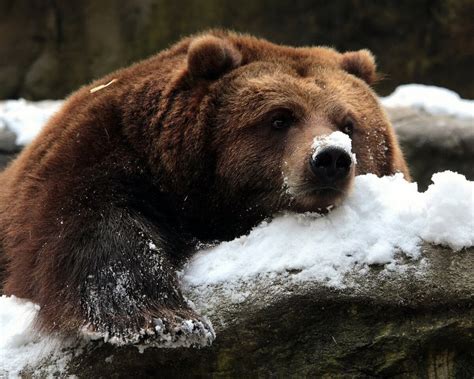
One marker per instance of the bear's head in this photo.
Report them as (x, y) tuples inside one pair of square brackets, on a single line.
[(237, 138)]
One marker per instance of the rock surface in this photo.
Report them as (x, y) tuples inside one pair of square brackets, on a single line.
[(7, 140), (415, 322), (8, 146), (434, 143)]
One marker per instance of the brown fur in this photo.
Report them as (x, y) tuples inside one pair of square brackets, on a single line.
[(178, 148)]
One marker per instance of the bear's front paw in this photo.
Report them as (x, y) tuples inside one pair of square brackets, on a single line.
[(165, 332)]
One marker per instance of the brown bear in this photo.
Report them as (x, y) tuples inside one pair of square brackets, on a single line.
[(198, 143)]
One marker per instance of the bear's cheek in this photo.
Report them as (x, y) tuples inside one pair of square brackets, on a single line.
[(372, 151), (295, 167), (250, 164)]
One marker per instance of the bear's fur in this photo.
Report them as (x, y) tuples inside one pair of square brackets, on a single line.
[(101, 209)]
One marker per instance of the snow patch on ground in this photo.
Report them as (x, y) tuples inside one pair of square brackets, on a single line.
[(26, 118), (20, 346), (380, 218), (434, 100)]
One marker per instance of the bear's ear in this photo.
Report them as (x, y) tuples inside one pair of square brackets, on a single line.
[(361, 64), (210, 56)]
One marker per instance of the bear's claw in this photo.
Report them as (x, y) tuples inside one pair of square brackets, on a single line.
[(184, 332), (160, 332)]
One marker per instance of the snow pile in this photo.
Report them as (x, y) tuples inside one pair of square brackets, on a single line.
[(435, 100), (381, 217), (26, 118), (335, 139), (19, 345)]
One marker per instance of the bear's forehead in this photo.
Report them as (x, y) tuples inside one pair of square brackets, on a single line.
[(266, 80), (301, 58), (319, 65), (261, 87), (304, 63)]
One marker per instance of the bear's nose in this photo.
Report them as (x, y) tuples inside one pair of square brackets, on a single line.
[(331, 164)]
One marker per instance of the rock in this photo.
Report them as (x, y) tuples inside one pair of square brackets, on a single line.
[(8, 146), (417, 321), (433, 143), (7, 139), (5, 159)]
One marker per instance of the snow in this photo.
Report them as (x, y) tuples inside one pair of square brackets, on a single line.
[(381, 218), (335, 139), (20, 346), (448, 223), (434, 100), (26, 118)]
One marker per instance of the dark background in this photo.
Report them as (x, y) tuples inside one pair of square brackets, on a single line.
[(48, 48)]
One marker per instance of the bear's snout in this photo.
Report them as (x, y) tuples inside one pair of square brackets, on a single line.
[(331, 165)]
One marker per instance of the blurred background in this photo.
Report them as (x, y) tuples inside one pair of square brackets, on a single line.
[(48, 48)]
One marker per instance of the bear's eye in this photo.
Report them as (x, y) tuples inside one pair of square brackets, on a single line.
[(282, 120), (348, 127)]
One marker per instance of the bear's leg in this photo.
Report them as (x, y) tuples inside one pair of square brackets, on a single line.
[(124, 272)]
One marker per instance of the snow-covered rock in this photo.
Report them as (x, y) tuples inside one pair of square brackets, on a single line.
[(434, 143), (381, 218), (432, 99), (417, 319)]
